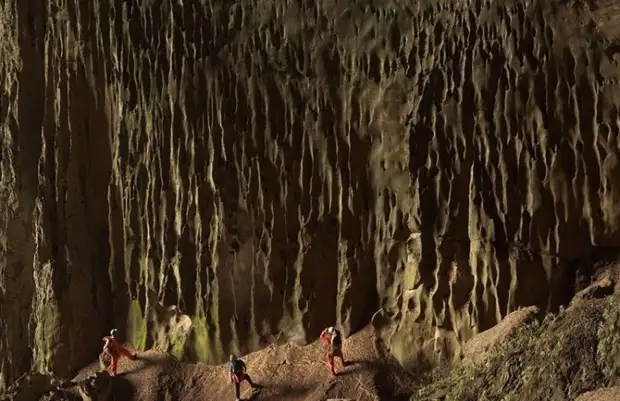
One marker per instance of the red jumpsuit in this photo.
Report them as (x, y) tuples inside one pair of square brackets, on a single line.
[(332, 351), (115, 350)]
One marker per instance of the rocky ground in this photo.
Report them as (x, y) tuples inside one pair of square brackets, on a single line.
[(286, 372)]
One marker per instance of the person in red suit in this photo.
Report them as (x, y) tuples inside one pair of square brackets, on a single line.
[(114, 351), (333, 346)]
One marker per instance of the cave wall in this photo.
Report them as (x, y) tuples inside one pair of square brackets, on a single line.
[(273, 167)]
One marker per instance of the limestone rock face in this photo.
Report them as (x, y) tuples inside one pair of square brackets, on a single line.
[(269, 168)]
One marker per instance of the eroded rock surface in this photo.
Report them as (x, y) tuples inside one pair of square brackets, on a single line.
[(271, 167)]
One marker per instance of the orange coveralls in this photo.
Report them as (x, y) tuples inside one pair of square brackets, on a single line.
[(115, 350)]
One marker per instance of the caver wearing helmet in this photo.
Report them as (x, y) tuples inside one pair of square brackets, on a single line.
[(333, 344), (236, 369), (114, 351)]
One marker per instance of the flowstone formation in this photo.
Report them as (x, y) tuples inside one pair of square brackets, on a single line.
[(218, 176)]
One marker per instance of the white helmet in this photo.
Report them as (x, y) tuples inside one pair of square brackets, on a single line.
[(330, 330)]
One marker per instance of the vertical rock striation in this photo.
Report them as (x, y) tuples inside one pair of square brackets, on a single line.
[(272, 167)]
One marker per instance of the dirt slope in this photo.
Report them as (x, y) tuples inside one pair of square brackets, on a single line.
[(286, 372)]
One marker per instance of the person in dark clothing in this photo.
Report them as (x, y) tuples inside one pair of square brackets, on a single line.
[(236, 369)]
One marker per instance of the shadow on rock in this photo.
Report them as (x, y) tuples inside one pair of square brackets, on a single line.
[(96, 387), (29, 387), (102, 387), (358, 366), (387, 389), (277, 393), (121, 389)]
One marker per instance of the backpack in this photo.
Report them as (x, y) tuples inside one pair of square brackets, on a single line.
[(237, 366), (336, 341)]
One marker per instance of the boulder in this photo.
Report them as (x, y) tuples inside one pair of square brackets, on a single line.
[(478, 347), (604, 394), (599, 289)]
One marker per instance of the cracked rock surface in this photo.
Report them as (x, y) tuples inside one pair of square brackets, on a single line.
[(218, 176)]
